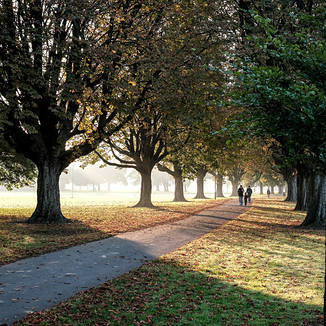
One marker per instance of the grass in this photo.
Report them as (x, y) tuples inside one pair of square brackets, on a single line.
[(258, 270), (94, 218)]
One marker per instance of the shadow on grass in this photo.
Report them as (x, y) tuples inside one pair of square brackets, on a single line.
[(163, 292), (20, 240)]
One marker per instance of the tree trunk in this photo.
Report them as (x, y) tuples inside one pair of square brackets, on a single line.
[(178, 191), (301, 204), (272, 190), (200, 184), (166, 186), (48, 209), (292, 188), (146, 189), (176, 173), (234, 187), (261, 188), (235, 179), (219, 185), (316, 213)]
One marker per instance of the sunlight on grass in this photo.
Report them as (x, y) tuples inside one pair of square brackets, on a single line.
[(264, 255)]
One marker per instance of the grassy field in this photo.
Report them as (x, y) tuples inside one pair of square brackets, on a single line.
[(24, 199), (261, 269), (94, 215)]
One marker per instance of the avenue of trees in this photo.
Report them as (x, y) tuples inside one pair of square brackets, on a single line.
[(282, 78), (230, 88)]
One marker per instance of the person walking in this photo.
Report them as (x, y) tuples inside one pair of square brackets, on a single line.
[(268, 192), (249, 193), (240, 194), (246, 198)]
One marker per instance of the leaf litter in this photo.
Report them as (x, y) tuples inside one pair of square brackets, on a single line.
[(260, 269)]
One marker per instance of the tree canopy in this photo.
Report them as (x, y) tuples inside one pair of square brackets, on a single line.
[(281, 82)]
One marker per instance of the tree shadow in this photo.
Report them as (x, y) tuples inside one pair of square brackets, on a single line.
[(165, 292)]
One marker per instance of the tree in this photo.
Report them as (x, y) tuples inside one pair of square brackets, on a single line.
[(73, 73), (139, 146), (172, 110)]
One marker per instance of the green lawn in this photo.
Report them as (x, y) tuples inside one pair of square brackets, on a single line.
[(261, 269)]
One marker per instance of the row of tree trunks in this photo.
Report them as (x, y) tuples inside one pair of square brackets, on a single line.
[(308, 189), (310, 193)]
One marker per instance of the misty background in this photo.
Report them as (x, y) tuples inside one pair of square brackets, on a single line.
[(109, 185)]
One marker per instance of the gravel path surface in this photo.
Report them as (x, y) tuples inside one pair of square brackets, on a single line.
[(40, 283)]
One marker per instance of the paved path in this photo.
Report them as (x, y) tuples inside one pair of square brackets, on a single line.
[(39, 283)]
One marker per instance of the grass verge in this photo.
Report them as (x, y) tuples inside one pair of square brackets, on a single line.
[(258, 270)]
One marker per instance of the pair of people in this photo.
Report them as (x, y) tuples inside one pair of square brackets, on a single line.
[(246, 195)]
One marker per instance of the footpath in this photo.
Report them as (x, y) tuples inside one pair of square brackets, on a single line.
[(40, 283)]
